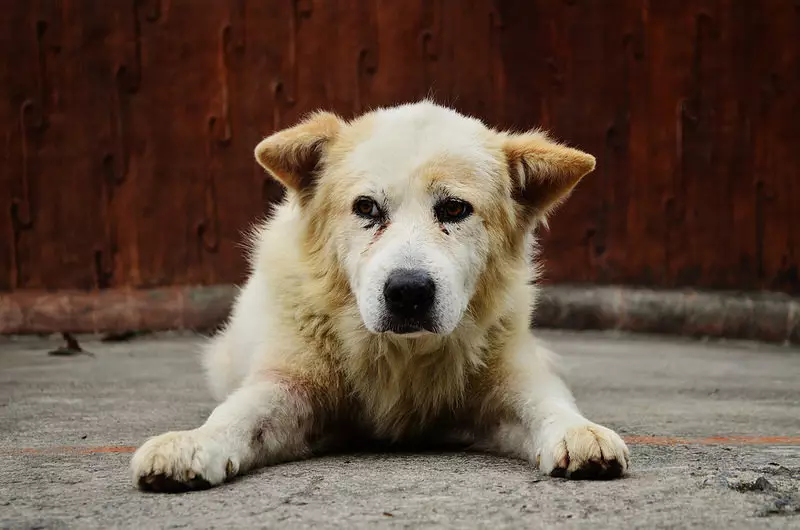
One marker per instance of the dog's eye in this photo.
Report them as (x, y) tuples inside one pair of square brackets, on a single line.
[(453, 210), (367, 208)]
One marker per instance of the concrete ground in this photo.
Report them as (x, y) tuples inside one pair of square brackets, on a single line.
[(714, 430)]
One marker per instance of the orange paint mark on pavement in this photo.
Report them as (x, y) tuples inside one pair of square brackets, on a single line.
[(73, 450), (713, 440), (632, 440)]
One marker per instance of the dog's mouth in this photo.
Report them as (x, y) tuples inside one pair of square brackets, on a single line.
[(409, 328)]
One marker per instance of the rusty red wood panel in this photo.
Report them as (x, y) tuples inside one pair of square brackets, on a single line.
[(128, 126)]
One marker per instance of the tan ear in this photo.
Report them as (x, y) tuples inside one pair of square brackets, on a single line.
[(544, 172), (292, 155)]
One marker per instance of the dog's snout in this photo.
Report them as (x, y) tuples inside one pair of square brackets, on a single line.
[(409, 293)]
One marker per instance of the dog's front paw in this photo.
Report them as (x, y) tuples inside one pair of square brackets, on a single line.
[(582, 451), (181, 461)]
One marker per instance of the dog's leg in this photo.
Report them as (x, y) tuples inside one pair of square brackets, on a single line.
[(545, 426), (263, 422)]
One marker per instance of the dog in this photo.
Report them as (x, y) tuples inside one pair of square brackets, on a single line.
[(389, 302)]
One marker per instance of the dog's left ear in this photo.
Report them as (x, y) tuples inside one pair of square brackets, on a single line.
[(292, 155), (543, 172)]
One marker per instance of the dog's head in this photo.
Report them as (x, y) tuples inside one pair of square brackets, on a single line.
[(417, 206)]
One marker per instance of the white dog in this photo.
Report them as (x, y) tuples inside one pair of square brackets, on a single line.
[(389, 301)]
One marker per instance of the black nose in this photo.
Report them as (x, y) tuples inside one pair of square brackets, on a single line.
[(409, 293)]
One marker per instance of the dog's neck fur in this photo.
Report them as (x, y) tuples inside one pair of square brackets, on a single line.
[(427, 375)]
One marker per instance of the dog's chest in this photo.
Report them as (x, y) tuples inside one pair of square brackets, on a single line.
[(403, 401)]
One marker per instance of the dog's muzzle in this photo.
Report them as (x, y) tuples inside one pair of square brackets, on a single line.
[(409, 296)]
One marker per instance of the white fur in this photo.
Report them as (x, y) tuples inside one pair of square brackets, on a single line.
[(303, 352)]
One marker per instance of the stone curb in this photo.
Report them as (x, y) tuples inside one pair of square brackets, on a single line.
[(769, 317), (114, 310)]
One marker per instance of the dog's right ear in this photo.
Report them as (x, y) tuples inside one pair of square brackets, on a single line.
[(292, 155)]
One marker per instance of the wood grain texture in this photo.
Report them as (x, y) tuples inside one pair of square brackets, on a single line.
[(128, 126)]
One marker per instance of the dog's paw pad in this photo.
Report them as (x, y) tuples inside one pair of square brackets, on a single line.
[(165, 484), (598, 470)]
